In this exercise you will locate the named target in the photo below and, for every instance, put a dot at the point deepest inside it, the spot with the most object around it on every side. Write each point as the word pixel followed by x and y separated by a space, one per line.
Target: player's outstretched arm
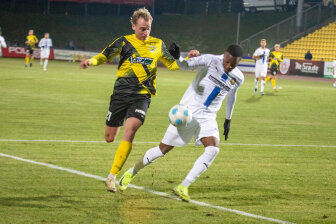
pixel 190 64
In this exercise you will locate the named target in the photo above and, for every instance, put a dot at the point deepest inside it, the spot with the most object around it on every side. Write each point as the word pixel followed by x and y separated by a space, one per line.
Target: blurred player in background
pixel 45 45
pixel 136 83
pixel 334 71
pixel 2 43
pixel 275 58
pixel 30 45
pixel 261 56
pixel 217 78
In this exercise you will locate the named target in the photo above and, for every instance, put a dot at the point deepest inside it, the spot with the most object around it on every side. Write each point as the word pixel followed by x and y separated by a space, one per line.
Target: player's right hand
pixel 226 128
pixel 174 50
pixel 85 63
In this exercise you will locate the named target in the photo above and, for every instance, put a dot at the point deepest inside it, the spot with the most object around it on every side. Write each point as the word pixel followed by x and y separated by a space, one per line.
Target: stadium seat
pixel 321 43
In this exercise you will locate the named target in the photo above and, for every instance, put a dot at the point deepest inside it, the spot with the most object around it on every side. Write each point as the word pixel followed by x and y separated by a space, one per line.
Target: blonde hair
pixel 142 12
pixel 277 45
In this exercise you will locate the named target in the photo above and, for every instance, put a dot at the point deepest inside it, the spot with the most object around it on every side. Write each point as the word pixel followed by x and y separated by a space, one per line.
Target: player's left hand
pixel 193 53
pixel 174 50
pixel 226 128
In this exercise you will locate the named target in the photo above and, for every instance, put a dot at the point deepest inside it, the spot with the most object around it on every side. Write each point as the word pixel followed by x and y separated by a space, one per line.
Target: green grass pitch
pixel 276 179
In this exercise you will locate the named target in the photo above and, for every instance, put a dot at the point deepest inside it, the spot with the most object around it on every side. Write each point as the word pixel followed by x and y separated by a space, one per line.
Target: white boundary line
pixel 222 143
pixel 146 189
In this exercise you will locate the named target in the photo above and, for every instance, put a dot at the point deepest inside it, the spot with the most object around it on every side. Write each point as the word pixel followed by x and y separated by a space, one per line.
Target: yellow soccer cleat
pixel 125 180
pixel 182 192
pixel 111 185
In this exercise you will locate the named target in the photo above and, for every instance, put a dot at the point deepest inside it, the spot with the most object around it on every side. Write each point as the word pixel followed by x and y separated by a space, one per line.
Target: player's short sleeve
pixel 255 53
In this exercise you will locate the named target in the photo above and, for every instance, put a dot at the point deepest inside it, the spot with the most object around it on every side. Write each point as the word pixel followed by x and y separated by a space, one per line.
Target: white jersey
pixel 2 44
pixel 262 62
pixel 45 43
pixel 334 68
pixel 212 84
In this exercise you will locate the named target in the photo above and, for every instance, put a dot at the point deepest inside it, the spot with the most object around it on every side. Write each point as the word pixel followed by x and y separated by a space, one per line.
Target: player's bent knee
pixel 110 138
pixel 165 148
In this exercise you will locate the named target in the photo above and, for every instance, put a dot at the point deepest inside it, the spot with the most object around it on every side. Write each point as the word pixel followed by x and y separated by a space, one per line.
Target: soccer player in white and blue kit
pixel 217 78
pixel 261 56
pixel 45 45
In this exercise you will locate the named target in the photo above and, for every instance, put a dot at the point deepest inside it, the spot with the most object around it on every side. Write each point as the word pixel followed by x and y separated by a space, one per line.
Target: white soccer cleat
pixel 111 185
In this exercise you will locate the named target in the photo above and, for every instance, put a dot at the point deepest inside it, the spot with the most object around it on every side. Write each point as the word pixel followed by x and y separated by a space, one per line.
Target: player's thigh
pixel 45 54
pixel 263 72
pixel 180 136
pixel 208 128
pixel 257 71
pixel 138 107
pixel 117 110
pixel 132 125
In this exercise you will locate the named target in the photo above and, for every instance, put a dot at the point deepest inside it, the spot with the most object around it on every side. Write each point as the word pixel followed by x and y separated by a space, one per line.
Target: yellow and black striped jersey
pixel 274 57
pixel 31 41
pixel 137 64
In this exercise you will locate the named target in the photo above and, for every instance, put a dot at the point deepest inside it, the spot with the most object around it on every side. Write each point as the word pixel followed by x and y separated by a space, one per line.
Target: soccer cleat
pixel 182 192
pixel 125 180
pixel 261 93
pixel 275 90
pixel 111 185
pixel 255 90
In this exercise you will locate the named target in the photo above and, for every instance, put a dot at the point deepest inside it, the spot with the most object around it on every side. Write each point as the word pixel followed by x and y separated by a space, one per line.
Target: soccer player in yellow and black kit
pixel 30 44
pixel 275 58
pixel 136 83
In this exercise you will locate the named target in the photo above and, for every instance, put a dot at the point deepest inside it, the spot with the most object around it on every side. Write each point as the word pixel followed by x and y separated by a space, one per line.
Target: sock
pixel 31 60
pixel 273 83
pixel 111 176
pixel 45 64
pixel 262 86
pixel 27 60
pixel 268 78
pixel 202 164
pixel 151 155
pixel 256 84
pixel 120 157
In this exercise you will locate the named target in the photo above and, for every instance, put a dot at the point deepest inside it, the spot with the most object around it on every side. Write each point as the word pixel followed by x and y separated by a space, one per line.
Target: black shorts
pixel 30 50
pixel 123 106
pixel 274 69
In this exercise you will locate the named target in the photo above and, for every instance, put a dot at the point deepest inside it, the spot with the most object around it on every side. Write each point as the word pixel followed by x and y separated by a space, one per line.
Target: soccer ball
pixel 179 115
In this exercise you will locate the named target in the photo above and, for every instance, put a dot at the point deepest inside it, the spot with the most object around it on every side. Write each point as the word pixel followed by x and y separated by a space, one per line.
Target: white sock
pixel 111 176
pixel 202 164
pixel 262 86
pixel 256 84
pixel 151 155
pixel 45 64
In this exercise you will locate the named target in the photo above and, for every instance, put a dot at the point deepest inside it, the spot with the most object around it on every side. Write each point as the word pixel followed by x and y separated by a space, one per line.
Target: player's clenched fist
pixel 85 63
pixel 193 53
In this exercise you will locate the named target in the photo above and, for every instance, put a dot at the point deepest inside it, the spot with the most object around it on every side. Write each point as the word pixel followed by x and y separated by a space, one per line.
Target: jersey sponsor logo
pixel 140 111
pixel 152 48
pixel 141 60
pixel 221 84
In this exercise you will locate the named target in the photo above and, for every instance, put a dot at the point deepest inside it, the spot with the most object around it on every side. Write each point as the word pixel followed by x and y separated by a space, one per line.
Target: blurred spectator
pixel 308 55
pixel 2 43
pixel 71 45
